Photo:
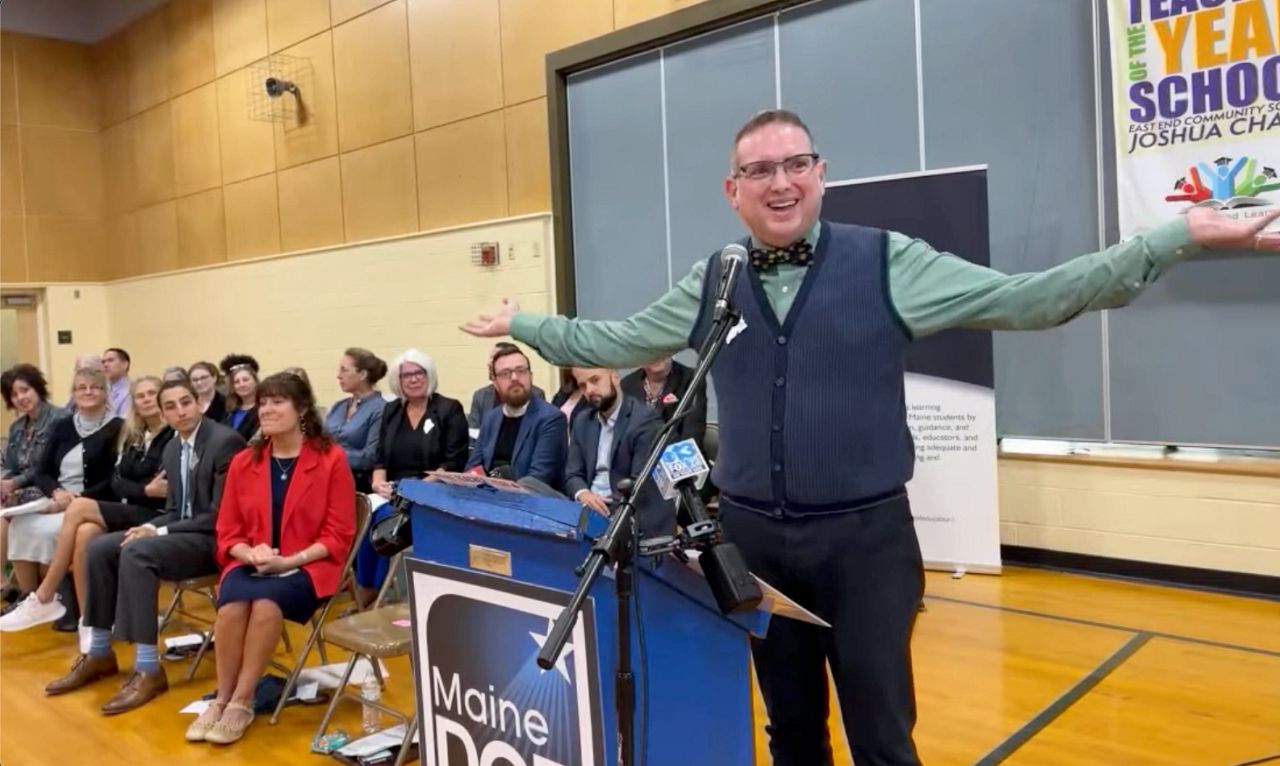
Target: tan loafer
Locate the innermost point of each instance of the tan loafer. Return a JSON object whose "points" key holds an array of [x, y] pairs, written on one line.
{"points": [[224, 732], [84, 671], [141, 688], [205, 721]]}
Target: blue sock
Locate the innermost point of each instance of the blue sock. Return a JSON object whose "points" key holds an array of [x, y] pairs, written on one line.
{"points": [[99, 642], [146, 658]]}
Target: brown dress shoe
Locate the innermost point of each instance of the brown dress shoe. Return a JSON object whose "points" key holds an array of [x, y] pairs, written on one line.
{"points": [[86, 669], [141, 688]]}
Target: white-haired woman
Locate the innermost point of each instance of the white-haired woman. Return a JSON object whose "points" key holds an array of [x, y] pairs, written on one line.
{"points": [[422, 432]]}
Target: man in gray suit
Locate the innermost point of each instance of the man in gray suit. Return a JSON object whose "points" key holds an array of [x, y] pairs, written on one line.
{"points": [[610, 442], [125, 568]]}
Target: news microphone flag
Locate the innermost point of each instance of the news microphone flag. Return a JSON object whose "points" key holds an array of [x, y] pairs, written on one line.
{"points": [[680, 461]]}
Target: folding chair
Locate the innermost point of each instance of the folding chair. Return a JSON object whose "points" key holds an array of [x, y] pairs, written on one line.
{"points": [[347, 583], [375, 634], [177, 615]]}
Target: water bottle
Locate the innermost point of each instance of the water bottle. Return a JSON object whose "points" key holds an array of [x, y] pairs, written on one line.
{"points": [[370, 691]]}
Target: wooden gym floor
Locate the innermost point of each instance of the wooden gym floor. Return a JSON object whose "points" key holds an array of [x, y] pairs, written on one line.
{"points": [[1032, 667]]}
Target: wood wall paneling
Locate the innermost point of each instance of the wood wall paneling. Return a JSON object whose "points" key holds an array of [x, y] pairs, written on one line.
{"points": [[122, 246], [379, 190], [291, 21], [202, 229], [10, 171], [528, 158], [533, 28], [8, 82], [191, 50], [342, 10], [13, 249], [628, 12], [311, 205], [371, 64], [119, 179], [197, 157], [64, 249], [297, 141], [158, 237], [443, 33], [56, 84], [462, 172], [111, 63], [148, 41], [253, 217], [61, 172], [248, 144], [153, 154], [239, 34]]}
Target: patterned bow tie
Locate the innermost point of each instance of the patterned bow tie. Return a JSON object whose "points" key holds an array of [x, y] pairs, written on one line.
{"points": [[799, 253]]}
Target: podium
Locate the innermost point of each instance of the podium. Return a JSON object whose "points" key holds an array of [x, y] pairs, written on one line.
{"points": [[492, 569]]}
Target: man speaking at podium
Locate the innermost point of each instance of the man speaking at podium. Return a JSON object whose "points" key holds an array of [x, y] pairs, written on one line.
{"points": [[815, 451]]}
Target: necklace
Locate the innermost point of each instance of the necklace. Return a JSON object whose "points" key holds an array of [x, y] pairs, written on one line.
{"points": [[284, 469]]}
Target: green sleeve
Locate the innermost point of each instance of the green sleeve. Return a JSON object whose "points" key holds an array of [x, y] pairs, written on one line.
{"points": [[934, 291], [661, 329]]}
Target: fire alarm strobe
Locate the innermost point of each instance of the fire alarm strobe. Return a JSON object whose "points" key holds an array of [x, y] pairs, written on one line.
{"points": [[484, 254]]}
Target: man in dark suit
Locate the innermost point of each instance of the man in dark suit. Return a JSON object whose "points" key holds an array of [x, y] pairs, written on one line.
{"points": [[610, 442], [485, 398], [525, 437], [662, 384], [125, 568]]}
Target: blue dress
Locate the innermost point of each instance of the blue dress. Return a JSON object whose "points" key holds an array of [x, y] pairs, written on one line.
{"points": [[293, 592]]}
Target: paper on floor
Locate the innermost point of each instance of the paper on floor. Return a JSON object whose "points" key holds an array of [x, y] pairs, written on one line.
{"points": [[328, 676], [196, 708], [382, 740]]}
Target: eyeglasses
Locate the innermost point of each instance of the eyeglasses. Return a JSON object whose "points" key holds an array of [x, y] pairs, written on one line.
{"points": [[514, 372], [86, 387], [795, 165], [415, 375], [200, 378]]}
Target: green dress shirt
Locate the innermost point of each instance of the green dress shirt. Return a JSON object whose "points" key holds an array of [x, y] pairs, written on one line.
{"points": [[931, 291]]}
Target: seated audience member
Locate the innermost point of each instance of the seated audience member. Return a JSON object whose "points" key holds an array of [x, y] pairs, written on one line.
{"points": [[205, 376], [139, 484], [242, 402], [124, 569], [421, 431], [285, 527], [116, 363], [83, 362], [27, 393], [355, 423], [569, 398], [173, 373], [610, 442], [485, 398], [525, 436], [662, 384], [78, 461]]}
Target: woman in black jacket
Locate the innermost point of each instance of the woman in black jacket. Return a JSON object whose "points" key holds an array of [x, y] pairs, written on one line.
{"points": [[79, 461], [138, 483], [422, 431]]}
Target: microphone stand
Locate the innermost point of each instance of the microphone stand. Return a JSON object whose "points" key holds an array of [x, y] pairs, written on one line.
{"points": [[618, 546]]}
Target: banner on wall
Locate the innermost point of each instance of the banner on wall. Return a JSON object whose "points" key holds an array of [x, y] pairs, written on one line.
{"points": [[950, 382], [1196, 85]]}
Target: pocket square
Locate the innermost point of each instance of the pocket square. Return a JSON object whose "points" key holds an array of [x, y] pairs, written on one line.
{"points": [[670, 399]]}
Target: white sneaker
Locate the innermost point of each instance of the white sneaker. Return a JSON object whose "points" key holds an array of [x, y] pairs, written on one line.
{"points": [[31, 613]]}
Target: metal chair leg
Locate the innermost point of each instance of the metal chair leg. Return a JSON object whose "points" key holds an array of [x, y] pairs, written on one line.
{"points": [[338, 694], [410, 729]]}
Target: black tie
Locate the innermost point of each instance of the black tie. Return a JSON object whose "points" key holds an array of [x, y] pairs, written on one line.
{"points": [[799, 253]]}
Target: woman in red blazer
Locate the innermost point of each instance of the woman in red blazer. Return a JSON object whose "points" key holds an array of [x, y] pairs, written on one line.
{"points": [[285, 527]]}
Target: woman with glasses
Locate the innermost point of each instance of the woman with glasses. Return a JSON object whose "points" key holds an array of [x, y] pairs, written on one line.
{"points": [[355, 422], [140, 484], [79, 461], [242, 402], [422, 432], [205, 377]]}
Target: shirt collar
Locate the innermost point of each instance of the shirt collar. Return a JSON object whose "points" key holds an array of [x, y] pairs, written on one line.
{"points": [[515, 412], [194, 434], [815, 232], [611, 417]]}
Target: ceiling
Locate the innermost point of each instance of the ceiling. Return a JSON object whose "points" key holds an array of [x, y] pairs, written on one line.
{"points": [[83, 21]]}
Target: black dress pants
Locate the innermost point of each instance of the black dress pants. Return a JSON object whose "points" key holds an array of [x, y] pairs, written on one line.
{"points": [[862, 572]]}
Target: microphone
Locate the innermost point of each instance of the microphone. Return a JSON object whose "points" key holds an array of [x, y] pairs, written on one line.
{"points": [[681, 463], [732, 258]]}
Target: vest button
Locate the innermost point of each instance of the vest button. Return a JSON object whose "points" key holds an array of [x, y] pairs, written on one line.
{"points": [[782, 340], [780, 382], [777, 467]]}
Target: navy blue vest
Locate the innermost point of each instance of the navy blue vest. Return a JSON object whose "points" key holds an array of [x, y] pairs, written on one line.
{"points": [[812, 410]]}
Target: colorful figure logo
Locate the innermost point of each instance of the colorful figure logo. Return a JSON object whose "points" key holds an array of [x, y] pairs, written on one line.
{"points": [[1226, 183]]}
